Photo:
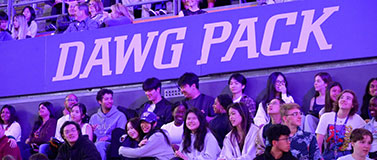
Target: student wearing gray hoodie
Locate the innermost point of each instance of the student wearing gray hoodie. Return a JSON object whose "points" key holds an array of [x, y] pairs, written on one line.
{"points": [[105, 120], [155, 144]]}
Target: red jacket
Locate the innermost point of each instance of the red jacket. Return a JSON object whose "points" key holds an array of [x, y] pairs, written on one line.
{"points": [[6, 150]]}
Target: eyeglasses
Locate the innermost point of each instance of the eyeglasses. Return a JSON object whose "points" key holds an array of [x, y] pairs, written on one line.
{"points": [[295, 114], [288, 139], [279, 82]]}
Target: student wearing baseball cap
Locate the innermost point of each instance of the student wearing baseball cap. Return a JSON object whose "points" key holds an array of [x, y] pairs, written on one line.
{"points": [[154, 144]]}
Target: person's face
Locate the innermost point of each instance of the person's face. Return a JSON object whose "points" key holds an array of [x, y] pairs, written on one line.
{"points": [[363, 146], [293, 117], [192, 122], [5, 115], [92, 8], [273, 107], [15, 23], [192, 3], [27, 14], [71, 133], [69, 101], [345, 101], [373, 88], [146, 127], [279, 83], [43, 111], [373, 107], [217, 106], [235, 86], [234, 117], [334, 92], [283, 143], [107, 101], [71, 8], [188, 90], [319, 84], [153, 94], [79, 13], [131, 131], [3, 25], [76, 114], [179, 113]]}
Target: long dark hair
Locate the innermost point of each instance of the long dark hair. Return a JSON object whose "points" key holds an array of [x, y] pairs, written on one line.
{"points": [[366, 99], [12, 117], [245, 124], [200, 133], [32, 14], [329, 103], [39, 122], [82, 109], [135, 123], [271, 91], [326, 77]]}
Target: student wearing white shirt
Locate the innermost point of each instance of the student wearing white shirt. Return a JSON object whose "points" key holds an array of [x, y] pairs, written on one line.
{"points": [[361, 141], [11, 127], [175, 129]]}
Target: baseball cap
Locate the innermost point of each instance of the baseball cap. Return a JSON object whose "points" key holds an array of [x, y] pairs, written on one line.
{"points": [[148, 117]]}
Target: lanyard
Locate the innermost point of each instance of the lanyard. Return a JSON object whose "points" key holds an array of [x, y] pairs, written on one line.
{"points": [[335, 134]]}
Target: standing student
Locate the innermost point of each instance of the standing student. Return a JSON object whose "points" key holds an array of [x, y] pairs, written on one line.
{"points": [[277, 87], [198, 142], [335, 128], [239, 143], [155, 143], [361, 141], [9, 122], [237, 85], [321, 81], [372, 125], [278, 137], [370, 91], [304, 145], [220, 125]]}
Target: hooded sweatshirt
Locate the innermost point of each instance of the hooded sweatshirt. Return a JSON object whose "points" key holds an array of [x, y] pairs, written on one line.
{"points": [[105, 123]]}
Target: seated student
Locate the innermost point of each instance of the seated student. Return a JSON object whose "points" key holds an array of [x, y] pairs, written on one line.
{"points": [[9, 122], [277, 87], [63, 21], [97, 11], [370, 91], [154, 144], [19, 30], [43, 129], [107, 118], [192, 8], [133, 136], [321, 81], [220, 125], [303, 144], [175, 129], [237, 85], [76, 146], [198, 141], [372, 125], [30, 16], [5, 148], [278, 137], [157, 103], [239, 143], [119, 16], [83, 21], [78, 113], [189, 85], [361, 141], [335, 127], [5, 34], [332, 92], [273, 110]]}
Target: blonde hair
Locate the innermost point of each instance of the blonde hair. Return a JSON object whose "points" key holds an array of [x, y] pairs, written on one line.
{"points": [[21, 31], [120, 10]]}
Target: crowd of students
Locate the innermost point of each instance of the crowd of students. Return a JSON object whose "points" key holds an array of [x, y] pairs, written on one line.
{"points": [[202, 127]]}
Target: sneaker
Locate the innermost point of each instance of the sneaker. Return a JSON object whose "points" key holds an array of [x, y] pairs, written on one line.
{"points": [[152, 13], [162, 12]]}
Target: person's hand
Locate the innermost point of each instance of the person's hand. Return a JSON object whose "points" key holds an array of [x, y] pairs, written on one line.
{"points": [[103, 138], [367, 120], [180, 155], [94, 126], [283, 89], [143, 142], [12, 143], [27, 141]]}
